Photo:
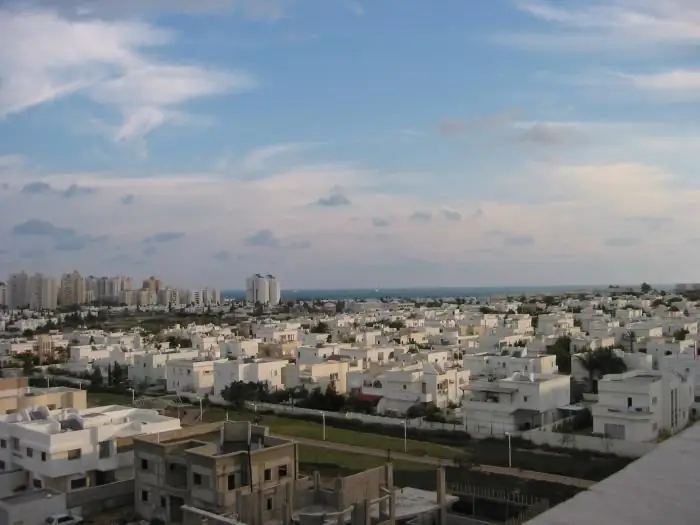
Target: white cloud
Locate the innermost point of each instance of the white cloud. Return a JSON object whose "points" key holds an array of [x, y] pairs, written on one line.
{"points": [[44, 57], [253, 9], [259, 159], [595, 25]]}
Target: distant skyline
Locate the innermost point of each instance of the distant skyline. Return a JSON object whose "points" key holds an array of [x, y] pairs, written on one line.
{"points": [[351, 144]]}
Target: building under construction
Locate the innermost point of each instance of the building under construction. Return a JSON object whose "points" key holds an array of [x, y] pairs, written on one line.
{"points": [[235, 473]]}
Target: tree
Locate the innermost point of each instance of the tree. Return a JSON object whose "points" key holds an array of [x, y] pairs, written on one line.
{"points": [[320, 328], [561, 348], [680, 335], [631, 338], [28, 334], [601, 362], [118, 376], [645, 288], [96, 377]]}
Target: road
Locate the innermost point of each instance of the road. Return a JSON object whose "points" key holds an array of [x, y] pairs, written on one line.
{"points": [[426, 460]]}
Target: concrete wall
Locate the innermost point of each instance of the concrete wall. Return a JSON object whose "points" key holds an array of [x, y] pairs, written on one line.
{"points": [[365, 418], [11, 481], [95, 500], [576, 441], [9, 383]]}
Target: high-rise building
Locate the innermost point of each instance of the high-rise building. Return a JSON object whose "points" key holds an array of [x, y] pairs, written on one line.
{"points": [[3, 295], [263, 289], [17, 287], [72, 289], [42, 292]]}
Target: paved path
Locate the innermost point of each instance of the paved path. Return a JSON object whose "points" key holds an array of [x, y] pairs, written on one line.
{"points": [[427, 460]]}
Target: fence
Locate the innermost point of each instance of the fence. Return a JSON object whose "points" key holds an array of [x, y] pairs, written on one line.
{"points": [[417, 423], [618, 447], [94, 500]]}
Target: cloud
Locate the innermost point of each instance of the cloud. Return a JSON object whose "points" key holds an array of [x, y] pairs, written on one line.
{"points": [[105, 61], [545, 133], [41, 228], [128, 199], [424, 216], [222, 256], [452, 128], [451, 215], [518, 240], [64, 239], [652, 222], [263, 239], [259, 159], [335, 198], [629, 25], [379, 222], [76, 191], [44, 188], [265, 10], [622, 242], [37, 188], [163, 237]]}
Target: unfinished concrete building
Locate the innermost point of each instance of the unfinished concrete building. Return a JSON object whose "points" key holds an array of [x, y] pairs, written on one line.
{"points": [[234, 473]]}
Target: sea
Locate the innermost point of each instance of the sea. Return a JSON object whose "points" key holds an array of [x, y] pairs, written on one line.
{"points": [[417, 293]]}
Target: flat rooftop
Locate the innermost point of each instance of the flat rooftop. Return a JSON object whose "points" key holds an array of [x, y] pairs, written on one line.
{"points": [[661, 487], [40, 419], [29, 497], [34, 391]]}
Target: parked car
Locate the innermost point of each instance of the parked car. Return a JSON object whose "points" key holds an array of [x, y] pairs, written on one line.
{"points": [[64, 519]]}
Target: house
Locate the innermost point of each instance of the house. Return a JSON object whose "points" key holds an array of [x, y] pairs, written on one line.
{"points": [[318, 375], [400, 388], [640, 404], [150, 367], [195, 375], [518, 402], [69, 449], [509, 361], [248, 370]]}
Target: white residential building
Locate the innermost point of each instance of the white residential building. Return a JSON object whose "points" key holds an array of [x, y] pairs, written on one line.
{"points": [[195, 376], [42, 292], [70, 449], [319, 375], [263, 289], [515, 403], [267, 371], [639, 404], [17, 291], [401, 388], [509, 361], [239, 348], [150, 367]]}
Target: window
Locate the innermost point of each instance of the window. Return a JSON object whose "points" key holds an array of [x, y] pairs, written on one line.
{"points": [[3, 443], [268, 474], [282, 471], [75, 454], [197, 478], [36, 483], [144, 495], [144, 464], [78, 483], [105, 449], [231, 481], [30, 452], [15, 443], [43, 456], [163, 502], [654, 400], [629, 402], [525, 399], [269, 503], [2, 465]]}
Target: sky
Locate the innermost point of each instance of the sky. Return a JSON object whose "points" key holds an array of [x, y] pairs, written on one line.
{"points": [[352, 143]]}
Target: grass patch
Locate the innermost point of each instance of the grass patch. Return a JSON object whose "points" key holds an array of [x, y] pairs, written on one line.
{"points": [[96, 399]]}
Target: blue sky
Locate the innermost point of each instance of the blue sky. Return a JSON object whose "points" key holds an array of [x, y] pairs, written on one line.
{"points": [[351, 143]]}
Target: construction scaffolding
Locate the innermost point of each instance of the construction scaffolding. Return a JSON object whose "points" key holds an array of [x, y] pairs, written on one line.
{"points": [[517, 508]]}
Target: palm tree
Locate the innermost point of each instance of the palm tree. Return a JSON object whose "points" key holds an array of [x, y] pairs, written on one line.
{"points": [[600, 362], [631, 338]]}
